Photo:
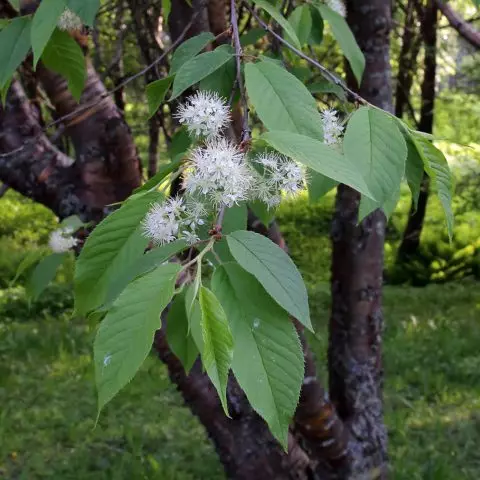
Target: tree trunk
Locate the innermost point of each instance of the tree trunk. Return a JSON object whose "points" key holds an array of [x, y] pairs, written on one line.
{"points": [[413, 231], [356, 324]]}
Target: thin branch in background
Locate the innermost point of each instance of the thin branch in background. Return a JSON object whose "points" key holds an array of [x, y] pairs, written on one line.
{"points": [[351, 95]]}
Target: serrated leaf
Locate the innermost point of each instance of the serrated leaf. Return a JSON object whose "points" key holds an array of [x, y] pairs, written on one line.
{"points": [[63, 55], [43, 24], [109, 250], [281, 101], [217, 343], [197, 69], [125, 336], [441, 178], [85, 9], [156, 92], [346, 40], [43, 274], [15, 42], [274, 269], [140, 266], [319, 157], [178, 337], [301, 21], [281, 20], [188, 49], [319, 185], [376, 146], [267, 358], [252, 36]]}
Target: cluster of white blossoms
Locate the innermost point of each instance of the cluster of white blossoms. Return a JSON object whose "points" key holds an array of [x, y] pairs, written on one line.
{"points": [[69, 21], [61, 240], [281, 174], [204, 114], [338, 6], [332, 128], [173, 219]]}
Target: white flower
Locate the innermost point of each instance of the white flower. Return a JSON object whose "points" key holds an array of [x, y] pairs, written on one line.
{"points": [[219, 170], [337, 6], [332, 129], [195, 211], [281, 174], [190, 237], [69, 21], [160, 225], [204, 114], [61, 240]]}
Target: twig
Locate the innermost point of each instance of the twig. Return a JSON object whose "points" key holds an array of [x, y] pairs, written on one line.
{"points": [[351, 95], [238, 58]]}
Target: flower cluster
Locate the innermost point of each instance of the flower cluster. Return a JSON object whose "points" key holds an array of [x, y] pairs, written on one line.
{"points": [[61, 240], [281, 174], [332, 128], [173, 219], [220, 171], [338, 6], [204, 114], [69, 21]]}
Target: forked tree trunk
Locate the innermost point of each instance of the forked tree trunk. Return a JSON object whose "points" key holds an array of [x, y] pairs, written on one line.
{"points": [[355, 343]]}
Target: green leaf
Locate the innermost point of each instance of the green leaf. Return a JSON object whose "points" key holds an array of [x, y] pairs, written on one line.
{"points": [[43, 24], [4, 22], [32, 257], [139, 266], [375, 145], [15, 42], [319, 185], [85, 9], [260, 209], [217, 343], [319, 157], [367, 205], [74, 222], [301, 21], [281, 20], [189, 49], [267, 356], [43, 274], [125, 336], [316, 33], [222, 79], [162, 173], [235, 219], [156, 92], [197, 69], [281, 101], [178, 337], [324, 86], [166, 9], [274, 269], [15, 4], [64, 56], [344, 36], [181, 142], [437, 169], [252, 36], [414, 168], [109, 250]]}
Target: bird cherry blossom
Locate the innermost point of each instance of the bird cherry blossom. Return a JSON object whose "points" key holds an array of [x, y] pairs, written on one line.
{"points": [[61, 240], [69, 21], [332, 128], [338, 6]]}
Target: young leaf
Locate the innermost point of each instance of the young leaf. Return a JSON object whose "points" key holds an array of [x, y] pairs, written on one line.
{"points": [[281, 101], [126, 334], [156, 92], [344, 36], [267, 357], [281, 20], [437, 169], [301, 21], [188, 49], [43, 25], [109, 250], [197, 69], [217, 343], [319, 185], [274, 269], [319, 157], [43, 274], [85, 9], [64, 56], [15, 42], [375, 145], [178, 337]]}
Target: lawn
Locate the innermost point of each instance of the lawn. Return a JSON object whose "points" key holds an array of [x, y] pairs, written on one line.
{"points": [[48, 404]]}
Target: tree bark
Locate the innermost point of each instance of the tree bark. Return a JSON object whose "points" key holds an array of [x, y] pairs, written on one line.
{"points": [[356, 324], [413, 231]]}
